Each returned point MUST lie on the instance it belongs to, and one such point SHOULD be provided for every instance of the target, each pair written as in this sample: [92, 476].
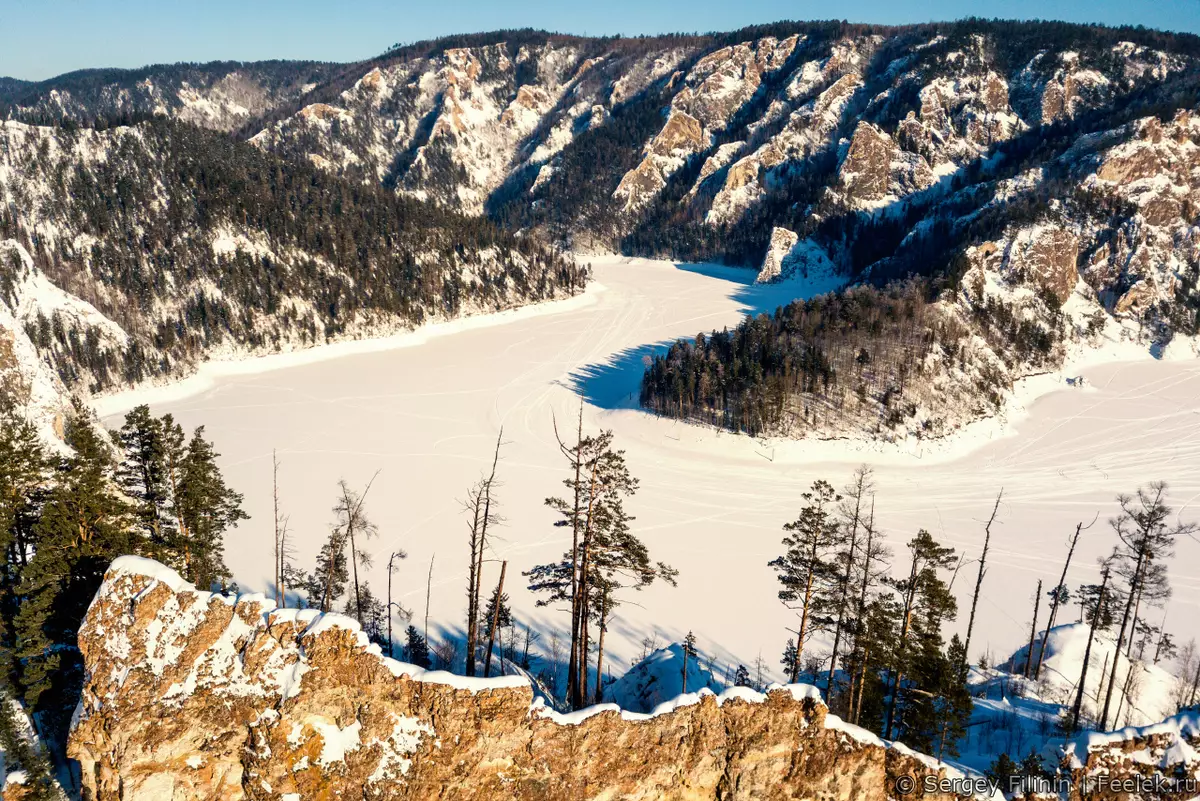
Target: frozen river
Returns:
[711, 504]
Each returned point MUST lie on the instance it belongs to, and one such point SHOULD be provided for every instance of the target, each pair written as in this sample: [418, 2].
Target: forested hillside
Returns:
[1029, 189]
[221, 95]
[136, 251]
[1037, 181]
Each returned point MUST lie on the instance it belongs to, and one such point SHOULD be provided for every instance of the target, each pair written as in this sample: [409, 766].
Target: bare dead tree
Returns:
[480, 507]
[355, 522]
[987, 540]
[1037, 605]
[428, 589]
[278, 538]
[487, 665]
[1060, 592]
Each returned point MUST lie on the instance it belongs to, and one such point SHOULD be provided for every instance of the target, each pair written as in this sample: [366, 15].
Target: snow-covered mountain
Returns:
[1040, 180]
[221, 95]
[133, 253]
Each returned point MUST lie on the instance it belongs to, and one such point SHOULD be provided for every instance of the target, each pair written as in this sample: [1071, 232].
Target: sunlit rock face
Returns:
[192, 695]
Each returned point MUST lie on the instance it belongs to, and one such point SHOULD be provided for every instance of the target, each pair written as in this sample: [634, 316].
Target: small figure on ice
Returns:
[1077, 381]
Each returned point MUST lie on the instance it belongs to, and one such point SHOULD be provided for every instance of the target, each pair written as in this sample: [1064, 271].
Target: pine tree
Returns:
[355, 528]
[83, 526]
[874, 654]
[1146, 537]
[869, 620]
[605, 555]
[24, 474]
[926, 602]
[741, 677]
[206, 509]
[373, 621]
[805, 571]
[328, 579]
[852, 515]
[689, 653]
[21, 754]
[142, 474]
[789, 659]
[416, 650]
[503, 620]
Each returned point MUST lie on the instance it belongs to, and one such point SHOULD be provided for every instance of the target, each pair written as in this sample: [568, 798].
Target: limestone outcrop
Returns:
[193, 695]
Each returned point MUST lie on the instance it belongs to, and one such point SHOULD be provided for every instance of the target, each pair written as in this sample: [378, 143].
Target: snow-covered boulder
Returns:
[659, 678]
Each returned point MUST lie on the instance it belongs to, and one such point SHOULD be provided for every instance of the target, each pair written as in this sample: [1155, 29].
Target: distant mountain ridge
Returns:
[221, 95]
[1036, 185]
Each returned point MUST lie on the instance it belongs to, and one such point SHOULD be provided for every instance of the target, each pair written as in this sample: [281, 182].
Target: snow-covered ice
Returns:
[710, 503]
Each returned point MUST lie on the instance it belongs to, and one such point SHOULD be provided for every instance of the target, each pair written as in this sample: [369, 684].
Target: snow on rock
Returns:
[778, 250]
[1162, 752]
[713, 91]
[802, 263]
[361, 719]
[658, 680]
[32, 306]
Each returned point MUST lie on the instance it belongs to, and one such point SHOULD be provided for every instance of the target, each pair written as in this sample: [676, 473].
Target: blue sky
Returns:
[47, 37]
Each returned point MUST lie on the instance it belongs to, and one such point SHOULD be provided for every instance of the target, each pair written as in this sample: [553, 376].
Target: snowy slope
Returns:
[1152, 689]
[659, 678]
[710, 504]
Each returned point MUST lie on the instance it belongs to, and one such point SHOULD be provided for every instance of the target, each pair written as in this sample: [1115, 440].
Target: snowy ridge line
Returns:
[314, 620]
[219, 364]
[317, 622]
[1185, 727]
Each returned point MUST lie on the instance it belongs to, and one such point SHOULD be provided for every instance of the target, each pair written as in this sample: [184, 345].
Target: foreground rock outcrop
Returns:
[1159, 761]
[192, 695]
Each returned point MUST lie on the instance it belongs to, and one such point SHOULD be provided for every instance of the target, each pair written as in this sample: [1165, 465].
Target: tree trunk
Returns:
[1137, 611]
[1037, 604]
[574, 697]
[1087, 653]
[803, 628]
[685, 660]
[473, 593]
[987, 539]
[487, 665]
[1062, 580]
[862, 684]
[479, 536]
[600, 648]
[278, 552]
[902, 647]
[845, 588]
[428, 588]
[389, 608]
[1135, 586]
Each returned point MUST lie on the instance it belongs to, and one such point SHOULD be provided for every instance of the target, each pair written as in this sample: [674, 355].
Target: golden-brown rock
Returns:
[198, 696]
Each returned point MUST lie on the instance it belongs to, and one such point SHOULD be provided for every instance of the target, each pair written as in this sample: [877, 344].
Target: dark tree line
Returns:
[861, 357]
[890, 669]
[331, 254]
[146, 489]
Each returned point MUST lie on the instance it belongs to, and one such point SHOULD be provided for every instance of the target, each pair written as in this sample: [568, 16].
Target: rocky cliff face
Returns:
[887, 152]
[191, 695]
[1159, 761]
